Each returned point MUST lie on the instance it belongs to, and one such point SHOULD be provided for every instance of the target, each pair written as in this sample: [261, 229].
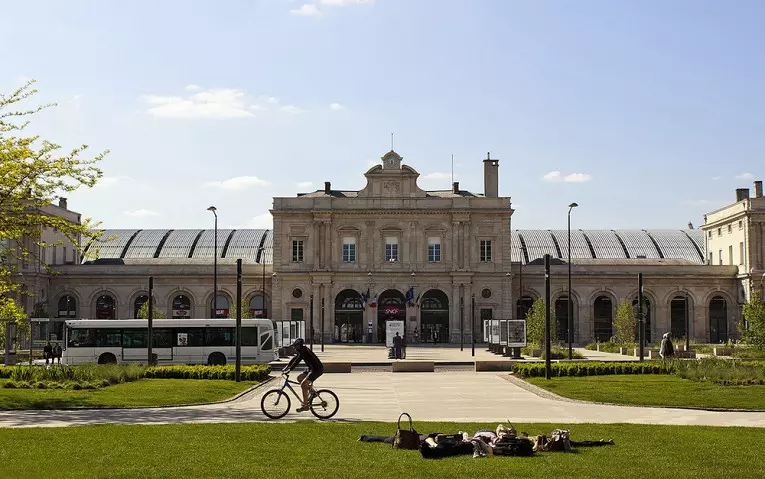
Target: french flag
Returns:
[374, 302]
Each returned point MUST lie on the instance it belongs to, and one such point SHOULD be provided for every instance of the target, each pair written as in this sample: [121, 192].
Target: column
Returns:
[329, 312]
[454, 251]
[468, 288]
[454, 314]
[315, 242]
[467, 245]
[316, 293]
[327, 245]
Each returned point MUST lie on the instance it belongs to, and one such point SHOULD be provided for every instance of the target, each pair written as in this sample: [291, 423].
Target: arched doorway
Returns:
[523, 306]
[391, 306]
[67, 307]
[258, 306]
[139, 302]
[603, 319]
[105, 307]
[349, 317]
[718, 320]
[434, 316]
[181, 307]
[646, 316]
[678, 317]
[223, 307]
[561, 317]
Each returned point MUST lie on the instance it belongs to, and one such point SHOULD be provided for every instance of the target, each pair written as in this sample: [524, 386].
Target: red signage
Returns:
[391, 311]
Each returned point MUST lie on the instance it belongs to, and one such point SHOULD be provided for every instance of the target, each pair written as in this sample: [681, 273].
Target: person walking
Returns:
[397, 346]
[667, 349]
[48, 352]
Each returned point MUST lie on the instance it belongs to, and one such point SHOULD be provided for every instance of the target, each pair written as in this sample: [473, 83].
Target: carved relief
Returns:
[391, 186]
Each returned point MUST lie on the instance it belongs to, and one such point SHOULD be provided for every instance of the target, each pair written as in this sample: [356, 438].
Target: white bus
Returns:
[176, 341]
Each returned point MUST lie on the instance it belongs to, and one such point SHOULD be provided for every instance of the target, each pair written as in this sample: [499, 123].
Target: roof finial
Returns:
[391, 141]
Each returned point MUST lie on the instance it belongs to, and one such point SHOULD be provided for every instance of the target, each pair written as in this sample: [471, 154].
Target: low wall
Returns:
[337, 367]
[413, 367]
[494, 366]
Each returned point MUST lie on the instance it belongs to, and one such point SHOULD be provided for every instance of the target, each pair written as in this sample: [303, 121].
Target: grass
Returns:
[326, 450]
[143, 392]
[655, 390]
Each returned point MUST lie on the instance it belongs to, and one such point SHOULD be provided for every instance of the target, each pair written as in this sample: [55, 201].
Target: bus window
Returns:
[194, 336]
[267, 341]
[135, 338]
[219, 336]
[82, 338]
[163, 338]
[109, 338]
[249, 336]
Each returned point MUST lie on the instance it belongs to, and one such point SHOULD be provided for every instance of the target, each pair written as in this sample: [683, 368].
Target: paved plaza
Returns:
[381, 396]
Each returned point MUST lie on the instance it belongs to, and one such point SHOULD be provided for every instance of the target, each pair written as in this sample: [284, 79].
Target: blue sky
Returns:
[650, 112]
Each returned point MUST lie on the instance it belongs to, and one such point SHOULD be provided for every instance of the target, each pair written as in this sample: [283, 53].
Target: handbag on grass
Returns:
[406, 438]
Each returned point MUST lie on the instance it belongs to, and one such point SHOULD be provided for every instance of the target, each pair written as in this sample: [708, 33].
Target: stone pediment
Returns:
[391, 179]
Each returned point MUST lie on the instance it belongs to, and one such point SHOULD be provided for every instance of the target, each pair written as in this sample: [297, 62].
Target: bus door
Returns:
[135, 345]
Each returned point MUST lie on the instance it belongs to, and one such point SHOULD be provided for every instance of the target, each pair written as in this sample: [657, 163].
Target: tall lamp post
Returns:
[261, 252]
[569, 304]
[215, 263]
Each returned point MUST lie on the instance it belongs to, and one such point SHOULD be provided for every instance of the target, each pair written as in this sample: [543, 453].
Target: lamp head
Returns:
[212, 208]
[572, 206]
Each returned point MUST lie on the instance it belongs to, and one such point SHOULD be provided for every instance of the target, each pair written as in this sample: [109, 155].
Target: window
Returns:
[741, 253]
[297, 251]
[719, 231]
[485, 253]
[296, 314]
[55, 258]
[709, 233]
[63, 254]
[720, 257]
[349, 249]
[730, 254]
[740, 224]
[391, 248]
[219, 337]
[711, 258]
[730, 228]
[249, 336]
[434, 249]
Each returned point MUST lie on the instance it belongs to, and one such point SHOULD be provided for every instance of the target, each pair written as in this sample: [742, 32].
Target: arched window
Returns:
[679, 312]
[139, 302]
[604, 318]
[258, 306]
[223, 307]
[67, 307]
[181, 307]
[105, 307]
[646, 316]
[561, 317]
[523, 306]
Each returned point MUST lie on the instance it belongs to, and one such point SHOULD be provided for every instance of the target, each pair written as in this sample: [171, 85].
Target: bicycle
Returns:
[323, 403]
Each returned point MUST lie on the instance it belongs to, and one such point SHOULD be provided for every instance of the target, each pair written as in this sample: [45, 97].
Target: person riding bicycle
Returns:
[307, 378]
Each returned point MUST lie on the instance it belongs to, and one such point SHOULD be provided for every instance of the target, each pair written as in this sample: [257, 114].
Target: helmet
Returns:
[298, 342]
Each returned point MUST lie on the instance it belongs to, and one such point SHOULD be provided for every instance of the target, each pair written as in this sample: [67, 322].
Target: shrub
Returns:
[9, 385]
[723, 371]
[525, 370]
[249, 373]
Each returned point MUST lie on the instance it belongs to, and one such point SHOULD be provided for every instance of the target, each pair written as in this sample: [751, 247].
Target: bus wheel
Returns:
[107, 358]
[216, 359]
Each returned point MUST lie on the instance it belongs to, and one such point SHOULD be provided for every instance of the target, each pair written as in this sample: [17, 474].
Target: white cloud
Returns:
[305, 184]
[271, 100]
[141, 213]
[308, 10]
[212, 103]
[552, 176]
[193, 88]
[237, 183]
[745, 176]
[336, 107]
[345, 2]
[570, 178]
[290, 109]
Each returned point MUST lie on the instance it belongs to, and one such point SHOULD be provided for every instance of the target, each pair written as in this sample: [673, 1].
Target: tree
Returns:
[143, 312]
[625, 322]
[535, 324]
[753, 331]
[32, 173]
[245, 308]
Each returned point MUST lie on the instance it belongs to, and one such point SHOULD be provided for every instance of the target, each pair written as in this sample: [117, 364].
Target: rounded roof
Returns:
[254, 245]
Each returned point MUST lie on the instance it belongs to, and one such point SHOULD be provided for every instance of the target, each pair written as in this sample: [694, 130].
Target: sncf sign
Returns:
[391, 311]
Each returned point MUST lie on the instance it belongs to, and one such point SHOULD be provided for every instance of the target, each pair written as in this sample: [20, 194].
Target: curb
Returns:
[545, 394]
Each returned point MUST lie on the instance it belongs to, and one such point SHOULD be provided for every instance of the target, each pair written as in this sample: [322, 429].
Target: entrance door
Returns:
[435, 316]
[718, 324]
[349, 317]
[391, 306]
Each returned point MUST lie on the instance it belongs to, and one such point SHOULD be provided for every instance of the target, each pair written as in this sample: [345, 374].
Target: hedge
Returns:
[248, 373]
[526, 370]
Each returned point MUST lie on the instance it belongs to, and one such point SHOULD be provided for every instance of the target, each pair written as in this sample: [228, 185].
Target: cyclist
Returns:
[307, 378]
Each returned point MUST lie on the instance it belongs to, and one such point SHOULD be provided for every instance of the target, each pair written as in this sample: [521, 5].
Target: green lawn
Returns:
[144, 392]
[654, 390]
[327, 450]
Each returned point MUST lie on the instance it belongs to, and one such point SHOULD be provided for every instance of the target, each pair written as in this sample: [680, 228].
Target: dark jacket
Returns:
[306, 355]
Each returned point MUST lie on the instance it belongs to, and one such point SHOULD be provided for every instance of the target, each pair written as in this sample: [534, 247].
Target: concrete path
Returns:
[382, 396]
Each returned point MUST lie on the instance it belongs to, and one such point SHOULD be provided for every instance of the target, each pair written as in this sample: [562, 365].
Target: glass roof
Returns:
[605, 244]
[676, 244]
[145, 244]
[579, 247]
[244, 244]
[638, 243]
[698, 237]
[539, 243]
[268, 252]
[178, 244]
[516, 251]
[206, 245]
[110, 248]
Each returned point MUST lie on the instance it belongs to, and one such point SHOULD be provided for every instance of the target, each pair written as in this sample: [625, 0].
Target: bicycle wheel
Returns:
[275, 404]
[324, 404]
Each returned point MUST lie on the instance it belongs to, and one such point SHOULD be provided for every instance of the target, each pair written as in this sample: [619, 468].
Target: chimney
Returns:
[758, 189]
[327, 187]
[490, 177]
[62, 203]
[742, 194]
[456, 187]
[690, 225]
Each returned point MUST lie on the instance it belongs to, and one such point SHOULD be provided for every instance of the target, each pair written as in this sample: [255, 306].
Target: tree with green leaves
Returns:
[625, 322]
[535, 324]
[33, 172]
[753, 331]
[143, 312]
[245, 308]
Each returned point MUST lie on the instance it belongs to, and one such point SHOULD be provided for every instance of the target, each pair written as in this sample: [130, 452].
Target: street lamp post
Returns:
[569, 304]
[215, 263]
